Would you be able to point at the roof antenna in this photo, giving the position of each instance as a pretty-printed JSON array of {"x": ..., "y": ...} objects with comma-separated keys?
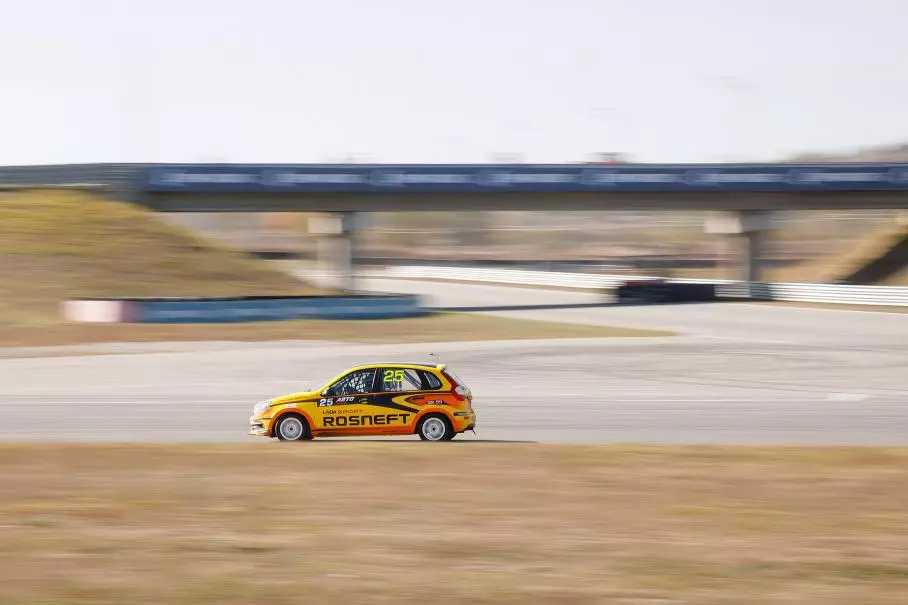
[{"x": 435, "y": 357}]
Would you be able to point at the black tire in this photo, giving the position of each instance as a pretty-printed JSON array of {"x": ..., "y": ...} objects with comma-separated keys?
[
  {"x": 292, "y": 427},
  {"x": 435, "y": 427}
]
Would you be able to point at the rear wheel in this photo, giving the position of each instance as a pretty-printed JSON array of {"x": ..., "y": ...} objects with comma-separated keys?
[
  {"x": 292, "y": 428},
  {"x": 435, "y": 428}
]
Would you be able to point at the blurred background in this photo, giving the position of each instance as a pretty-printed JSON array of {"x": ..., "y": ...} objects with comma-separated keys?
[
  {"x": 592, "y": 82},
  {"x": 732, "y": 450},
  {"x": 802, "y": 246}
]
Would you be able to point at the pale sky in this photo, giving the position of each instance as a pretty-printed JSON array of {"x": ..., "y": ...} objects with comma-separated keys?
[{"x": 446, "y": 81}]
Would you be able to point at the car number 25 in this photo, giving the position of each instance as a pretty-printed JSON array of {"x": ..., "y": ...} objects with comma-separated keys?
[
  {"x": 393, "y": 376},
  {"x": 323, "y": 403}
]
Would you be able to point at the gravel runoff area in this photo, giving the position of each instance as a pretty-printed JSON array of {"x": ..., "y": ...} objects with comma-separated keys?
[{"x": 738, "y": 374}]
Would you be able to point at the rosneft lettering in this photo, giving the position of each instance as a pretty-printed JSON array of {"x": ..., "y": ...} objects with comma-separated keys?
[{"x": 371, "y": 420}]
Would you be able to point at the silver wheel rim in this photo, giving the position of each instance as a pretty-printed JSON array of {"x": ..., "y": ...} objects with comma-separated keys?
[
  {"x": 434, "y": 429},
  {"x": 291, "y": 429}
]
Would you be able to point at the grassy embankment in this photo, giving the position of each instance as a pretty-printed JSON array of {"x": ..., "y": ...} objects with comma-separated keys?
[
  {"x": 329, "y": 522},
  {"x": 879, "y": 258},
  {"x": 59, "y": 245}
]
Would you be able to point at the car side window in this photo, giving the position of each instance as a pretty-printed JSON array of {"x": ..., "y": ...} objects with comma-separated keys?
[
  {"x": 354, "y": 383},
  {"x": 399, "y": 379},
  {"x": 430, "y": 382}
]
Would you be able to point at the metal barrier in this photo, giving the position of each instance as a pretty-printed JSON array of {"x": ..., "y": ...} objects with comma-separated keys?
[
  {"x": 214, "y": 310},
  {"x": 893, "y": 296},
  {"x": 800, "y": 292}
]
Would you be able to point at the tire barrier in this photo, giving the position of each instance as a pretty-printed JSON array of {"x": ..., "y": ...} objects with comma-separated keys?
[
  {"x": 662, "y": 291},
  {"x": 242, "y": 309}
]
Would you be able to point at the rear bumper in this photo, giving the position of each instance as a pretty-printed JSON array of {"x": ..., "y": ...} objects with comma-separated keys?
[{"x": 464, "y": 421}]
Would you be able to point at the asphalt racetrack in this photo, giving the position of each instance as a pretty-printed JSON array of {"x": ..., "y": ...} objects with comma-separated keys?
[{"x": 739, "y": 373}]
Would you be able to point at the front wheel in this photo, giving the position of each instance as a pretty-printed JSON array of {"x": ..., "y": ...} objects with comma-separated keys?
[
  {"x": 292, "y": 428},
  {"x": 435, "y": 428}
]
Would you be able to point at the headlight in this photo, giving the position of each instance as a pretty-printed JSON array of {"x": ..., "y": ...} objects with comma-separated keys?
[{"x": 261, "y": 406}]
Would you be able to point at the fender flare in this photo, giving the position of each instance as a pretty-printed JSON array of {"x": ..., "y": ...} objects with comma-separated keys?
[
  {"x": 422, "y": 413},
  {"x": 276, "y": 418}
]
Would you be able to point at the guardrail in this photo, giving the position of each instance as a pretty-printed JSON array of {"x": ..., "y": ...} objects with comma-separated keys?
[
  {"x": 223, "y": 310},
  {"x": 69, "y": 175},
  {"x": 798, "y": 292}
]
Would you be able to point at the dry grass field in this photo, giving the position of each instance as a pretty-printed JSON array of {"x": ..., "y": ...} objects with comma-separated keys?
[
  {"x": 407, "y": 522},
  {"x": 57, "y": 244}
]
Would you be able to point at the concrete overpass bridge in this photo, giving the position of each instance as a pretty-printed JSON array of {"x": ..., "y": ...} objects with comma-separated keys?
[{"x": 740, "y": 197}]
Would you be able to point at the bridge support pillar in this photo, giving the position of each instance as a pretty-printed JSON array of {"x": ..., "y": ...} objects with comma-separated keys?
[
  {"x": 744, "y": 233},
  {"x": 336, "y": 249}
]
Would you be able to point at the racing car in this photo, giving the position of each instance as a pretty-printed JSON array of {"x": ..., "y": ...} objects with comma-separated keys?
[{"x": 428, "y": 400}]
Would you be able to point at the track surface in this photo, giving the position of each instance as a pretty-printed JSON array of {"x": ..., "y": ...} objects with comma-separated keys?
[{"x": 739, "y": 374}]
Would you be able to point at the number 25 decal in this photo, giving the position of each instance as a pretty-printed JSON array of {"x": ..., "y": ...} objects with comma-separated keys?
[{"x": 393, "y": 376}]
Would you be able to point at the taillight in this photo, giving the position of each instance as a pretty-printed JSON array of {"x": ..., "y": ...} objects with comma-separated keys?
[{"x": 459, "y": 390}]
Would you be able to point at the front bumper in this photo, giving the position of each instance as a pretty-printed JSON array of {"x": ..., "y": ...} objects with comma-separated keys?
[{"x": 260, "y": 427}]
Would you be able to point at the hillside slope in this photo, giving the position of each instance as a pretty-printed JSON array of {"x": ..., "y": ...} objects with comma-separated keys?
[
  {"x": 876, "y": 259},
  {"x": 55, "y": 245},
  {"x": 886, "y": 266},
  {"x": 899, "y": 279}
]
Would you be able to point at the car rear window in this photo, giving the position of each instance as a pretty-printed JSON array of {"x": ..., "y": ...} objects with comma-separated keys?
[{"x": 454, "y": 377}]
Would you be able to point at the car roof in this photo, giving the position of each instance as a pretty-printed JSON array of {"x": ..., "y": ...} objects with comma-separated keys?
[{"x": 403, "y": 364}]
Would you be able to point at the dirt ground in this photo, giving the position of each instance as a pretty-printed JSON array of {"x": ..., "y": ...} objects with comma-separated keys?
[
  {"x": 441, "y": 327},
  {"x": 408, "y": 522}
]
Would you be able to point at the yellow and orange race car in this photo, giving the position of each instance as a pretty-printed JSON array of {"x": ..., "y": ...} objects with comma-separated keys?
[{"x": 428, "y": 400}]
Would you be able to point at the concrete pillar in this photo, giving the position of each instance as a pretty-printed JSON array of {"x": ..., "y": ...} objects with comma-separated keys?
[
  {"x": 744, "y": 231},
  {"x": 354, "y": 224},
  {"x": 343, "y": 260},
  {"x": 752, "y": 252},
  {"x": 336, "y": 249}
]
